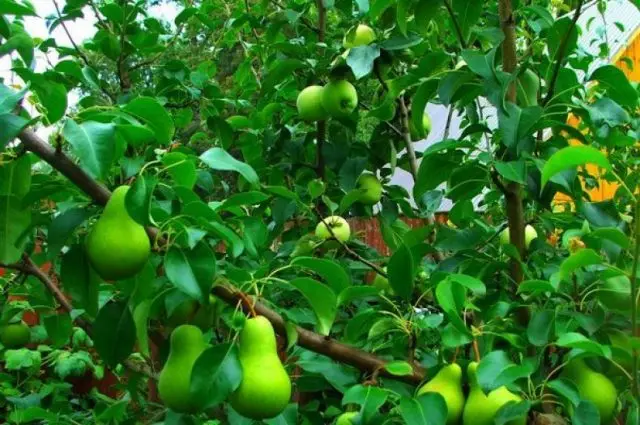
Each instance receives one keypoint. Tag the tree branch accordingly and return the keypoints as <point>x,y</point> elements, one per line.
<point>562,51</point>
<point>456,24</point>
<point>406,135</point>
<point>158,55</point>
<point>29,267</point>
<point>307,339</point>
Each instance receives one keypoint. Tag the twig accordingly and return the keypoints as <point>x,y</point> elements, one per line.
<point>562,51</point>
<point>28,266</point>
<point>447,127</point>
<point>633,299</point>
<point>158,55</point>
<point>456,24</point>
<point>123,72</point>
<point>406,134</point>
<point>248,305</point>
<point>476,350</point>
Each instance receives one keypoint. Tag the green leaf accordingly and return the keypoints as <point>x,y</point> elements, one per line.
<point>513,412</point>
<point>560,34</point>
<point>581,342</point>
<point>496,370</point>
<point>138,198</point>
<point>20,42</point>
<point>15,177</point>
<point>617,85</point>
<point>93,143</point>
<point>114,333</point>
<point>370,398</point>
<point>612,234</point>
<point>400,42</point>
<point>541,327</point>
<point>361,58</point>
<point>243,198</point>
<point>141,319</point>
<point>322,299</point>
<point>284,69</point>
<point>401,272</point>
<point>181,168</point>
<point>419,103</point>
<point>399,368</point>
<point>356,292</point>
<point>80,281</point>
<point>582,258</point>
<point>518,123</point>
<point>515,171</point>
<point>14,220</point>
<point>480,63</point>
<point>572,157</point>
<point>59,328</point>
<point>32,414</point>
<point>426,409</point>
<point>191,271</point>
<point>9,99</point>
<point>473,284</point>
<point>607,113</point>
<point>62,227</point>
<point>10,127</point>
<point>218,159</point>
<point>468,13</point>
<point>11,7</point>
<point>585,413</point>
<point>331,271</point>
<point>154,115</point>
<point>216,374</point>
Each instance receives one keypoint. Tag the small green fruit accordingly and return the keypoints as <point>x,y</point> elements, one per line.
<point>309,104</point>
<point>345,418</point>
<point>594,387</point>
<point>265,389</point>
<point>371,189</point>
<point>338,225</point>
<point>448,383</point>
<point>340,98</point>
<point>15,335</point>
<point>175,378</point>
<point>382,283</point>
<point>362,36</point>
<point>426,124</point>
<point>117,246</point>
<point>529,235</point>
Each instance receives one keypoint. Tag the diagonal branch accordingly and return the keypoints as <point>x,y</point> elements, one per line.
<point>29,267</point>
<point>307,339</point>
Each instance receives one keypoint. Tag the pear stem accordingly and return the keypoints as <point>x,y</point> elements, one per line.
<point>476,350</point>
<point>244,299</point>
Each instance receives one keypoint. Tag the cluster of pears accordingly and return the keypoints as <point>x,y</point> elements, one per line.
<point>117,246</point>
<point>15,335</point>
<point>265,389</point>
<point>337,99</point>
<point>479,408</point>
<point>594,387</point>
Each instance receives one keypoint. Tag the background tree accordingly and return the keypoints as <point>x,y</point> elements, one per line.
<point>194,127</point>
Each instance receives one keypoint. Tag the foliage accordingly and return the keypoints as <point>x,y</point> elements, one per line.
<point>199,117</point>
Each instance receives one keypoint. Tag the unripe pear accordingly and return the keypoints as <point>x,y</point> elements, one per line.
<point>265,389</point>
<point>339,98</point>
<point>529,235</point>
<point>309,104</point>
<point>174,383</point>
<point>345,418</point>
<point>594,387</point>
<point>117,246</point>
<point>362,36</point>
<point>15,335</point>
<point>448,383</point>
<point>371,189</point>
<point>338,225</point>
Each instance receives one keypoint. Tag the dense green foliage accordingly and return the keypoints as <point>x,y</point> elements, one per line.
<point>228,203</point>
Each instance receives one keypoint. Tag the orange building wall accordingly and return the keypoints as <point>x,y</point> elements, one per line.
<point>605,189</point>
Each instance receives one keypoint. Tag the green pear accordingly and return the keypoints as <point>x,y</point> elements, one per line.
<point>361,36</point>
<point>174,382</point>
<point>15,335</point>
<point>265,389</point>
<point>594,387</point>
<point>345,418</point>
<point>339,98</point>
<point>448,383</point>
<point>426,125</point>
<point>371,189</point>
<point>238,122</point>
<point>117,246</point>
<point>382,283</point>
<point>530,234</point>
<point>482,408</point>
